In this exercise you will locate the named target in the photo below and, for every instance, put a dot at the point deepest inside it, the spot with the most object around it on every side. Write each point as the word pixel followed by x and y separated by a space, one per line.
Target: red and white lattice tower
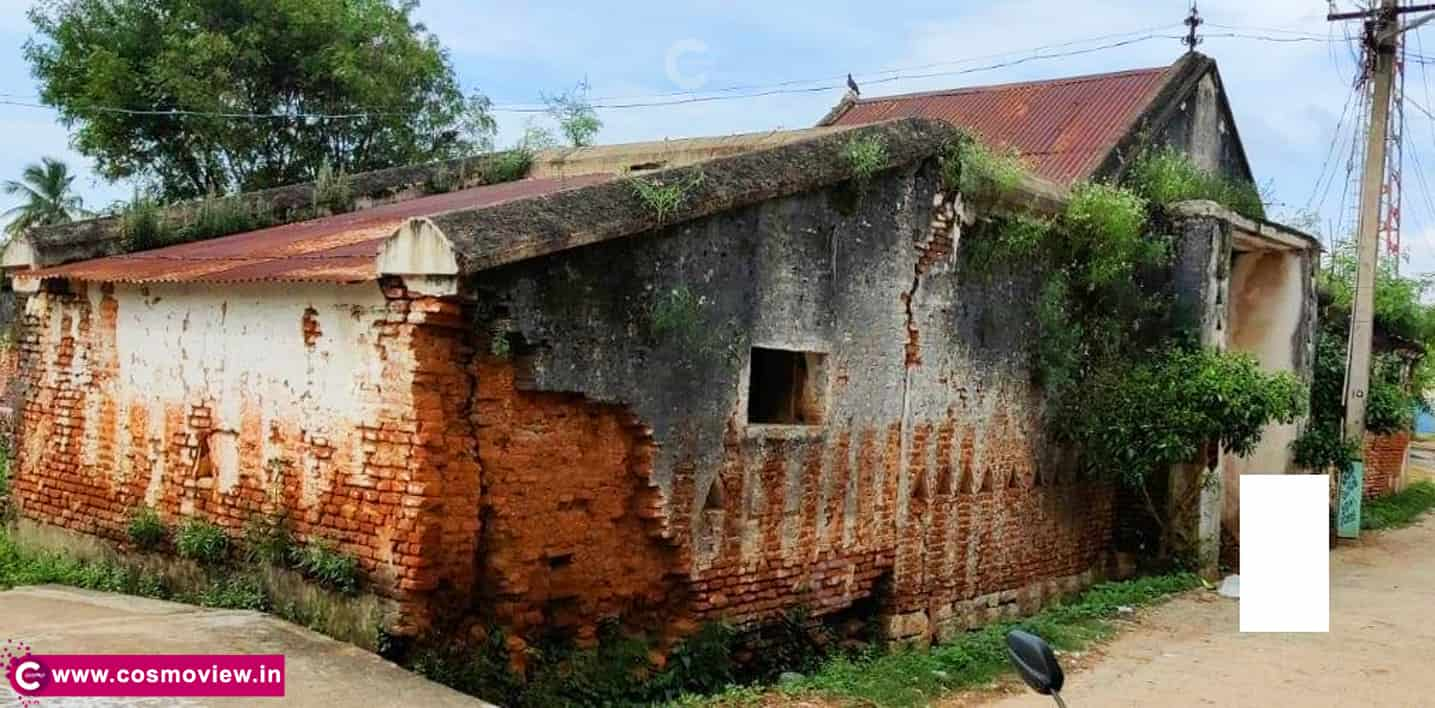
pixel 1388 231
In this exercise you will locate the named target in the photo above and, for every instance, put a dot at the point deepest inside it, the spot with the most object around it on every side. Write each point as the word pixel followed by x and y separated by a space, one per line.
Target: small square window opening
pixel 787 387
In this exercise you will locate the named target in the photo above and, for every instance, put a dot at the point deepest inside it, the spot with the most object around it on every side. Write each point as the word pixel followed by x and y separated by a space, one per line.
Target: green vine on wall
pixel 1131 391
pixel 1400 371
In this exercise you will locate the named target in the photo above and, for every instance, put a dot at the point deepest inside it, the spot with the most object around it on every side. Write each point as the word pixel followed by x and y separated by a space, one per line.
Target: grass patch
pixel 664 198
pixel 202 542
pixel 972 167
pixel 1166 176
pixel 866 156
pixel 147 532
pixel 916 677
pixel 1400 509
pixel 321 563
pixel 143 225
pixel 253 586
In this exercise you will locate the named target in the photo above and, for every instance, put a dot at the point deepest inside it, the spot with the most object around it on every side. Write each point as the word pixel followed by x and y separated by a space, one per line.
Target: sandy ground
pixel 1380 650
pixel 319 671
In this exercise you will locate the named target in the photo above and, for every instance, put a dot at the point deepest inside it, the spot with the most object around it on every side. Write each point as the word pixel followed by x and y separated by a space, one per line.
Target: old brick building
pixel 545 403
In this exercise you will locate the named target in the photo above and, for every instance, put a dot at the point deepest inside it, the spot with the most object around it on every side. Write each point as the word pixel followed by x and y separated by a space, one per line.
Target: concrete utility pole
pixel 1380 35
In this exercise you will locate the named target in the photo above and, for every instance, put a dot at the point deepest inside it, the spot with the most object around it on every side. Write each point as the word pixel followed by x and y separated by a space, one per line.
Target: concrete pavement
pixel 320 671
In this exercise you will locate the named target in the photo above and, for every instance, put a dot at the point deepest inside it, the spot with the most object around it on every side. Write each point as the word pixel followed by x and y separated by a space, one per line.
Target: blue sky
pixel 1287 96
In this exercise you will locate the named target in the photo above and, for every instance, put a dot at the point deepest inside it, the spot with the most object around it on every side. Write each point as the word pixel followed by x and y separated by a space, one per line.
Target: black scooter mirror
pixel 1036 662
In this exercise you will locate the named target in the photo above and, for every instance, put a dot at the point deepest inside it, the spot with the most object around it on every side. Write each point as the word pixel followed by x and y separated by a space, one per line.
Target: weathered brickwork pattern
pixel 927 496
pixel 393 482
pixel 1384 462
pixel 573 531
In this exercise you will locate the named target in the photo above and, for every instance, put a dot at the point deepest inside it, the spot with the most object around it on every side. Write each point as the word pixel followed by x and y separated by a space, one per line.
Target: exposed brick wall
pixel 390 477
pixel 928 495
pixel 1384 462
pixel 966 540
pixel 573 532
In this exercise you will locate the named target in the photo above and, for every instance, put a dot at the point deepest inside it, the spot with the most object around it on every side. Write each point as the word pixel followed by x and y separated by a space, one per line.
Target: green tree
pixel 385 86
pixel 46 187
pixel 575 115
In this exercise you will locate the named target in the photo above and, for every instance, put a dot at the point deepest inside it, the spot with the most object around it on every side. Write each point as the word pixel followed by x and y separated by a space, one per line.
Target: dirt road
pixel 1380 650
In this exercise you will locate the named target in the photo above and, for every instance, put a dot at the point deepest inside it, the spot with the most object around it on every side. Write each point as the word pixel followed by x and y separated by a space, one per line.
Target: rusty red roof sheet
pixel 1064 128
pixel 339 248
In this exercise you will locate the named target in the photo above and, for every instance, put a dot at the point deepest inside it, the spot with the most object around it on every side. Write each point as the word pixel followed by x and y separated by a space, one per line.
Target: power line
pixel 777 89
pixel 868 76
pixel 1331 151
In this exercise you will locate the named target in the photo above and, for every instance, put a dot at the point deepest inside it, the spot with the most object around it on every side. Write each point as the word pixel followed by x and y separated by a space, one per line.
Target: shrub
pixel 866 156
pixel 234 592
pixel 972 167
pixel 1322 446
pixel 143 225
pixel 1162 410
pixel 1165 176
pixel 507 166
pixel 201 541
pixel 333 190
pixel 220 216
pixel 146 530
pixel 1105 230
pixel 267 539
pixel 1389 407
pixel 321 562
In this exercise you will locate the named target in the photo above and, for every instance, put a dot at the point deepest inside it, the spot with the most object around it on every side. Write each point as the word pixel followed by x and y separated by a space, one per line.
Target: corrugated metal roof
pixel 339 248
pixel 1064 128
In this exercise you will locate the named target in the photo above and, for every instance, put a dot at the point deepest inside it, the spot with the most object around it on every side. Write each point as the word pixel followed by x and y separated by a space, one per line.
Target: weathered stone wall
pixel 1201 128
pixel 1385 463
pixel 927 490
pixel 344 407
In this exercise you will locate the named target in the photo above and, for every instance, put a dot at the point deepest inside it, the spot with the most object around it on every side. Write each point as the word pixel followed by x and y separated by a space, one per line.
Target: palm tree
pixel 46 188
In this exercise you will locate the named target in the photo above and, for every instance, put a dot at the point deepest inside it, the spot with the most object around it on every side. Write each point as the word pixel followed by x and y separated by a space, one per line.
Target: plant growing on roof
pixel 866 155
pixel 143 225
pixel 575 115
pixel 971 167
pixel 1164 175
pixel 333 190
pixel 663 196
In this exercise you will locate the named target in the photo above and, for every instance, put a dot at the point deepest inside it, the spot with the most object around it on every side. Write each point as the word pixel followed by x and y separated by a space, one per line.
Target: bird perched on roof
pixel 853 85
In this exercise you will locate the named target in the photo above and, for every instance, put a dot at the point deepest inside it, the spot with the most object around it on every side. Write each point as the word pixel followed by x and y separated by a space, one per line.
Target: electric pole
pixel 1380 31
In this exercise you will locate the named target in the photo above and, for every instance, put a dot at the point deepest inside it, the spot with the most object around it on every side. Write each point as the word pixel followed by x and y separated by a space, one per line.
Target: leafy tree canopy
pixel 286 57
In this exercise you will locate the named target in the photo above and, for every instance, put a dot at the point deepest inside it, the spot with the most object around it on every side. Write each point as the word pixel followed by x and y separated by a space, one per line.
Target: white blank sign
pixel 1285 554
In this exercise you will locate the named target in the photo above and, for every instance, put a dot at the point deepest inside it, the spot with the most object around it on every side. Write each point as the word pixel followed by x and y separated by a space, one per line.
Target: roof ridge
pixel 1083 78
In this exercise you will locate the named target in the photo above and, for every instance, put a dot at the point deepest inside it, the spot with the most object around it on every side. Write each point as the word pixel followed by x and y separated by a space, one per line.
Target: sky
pixel 1288 96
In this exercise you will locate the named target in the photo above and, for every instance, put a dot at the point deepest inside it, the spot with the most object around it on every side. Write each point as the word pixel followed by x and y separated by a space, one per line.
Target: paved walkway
pixel 321 671
pixel 1380 650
